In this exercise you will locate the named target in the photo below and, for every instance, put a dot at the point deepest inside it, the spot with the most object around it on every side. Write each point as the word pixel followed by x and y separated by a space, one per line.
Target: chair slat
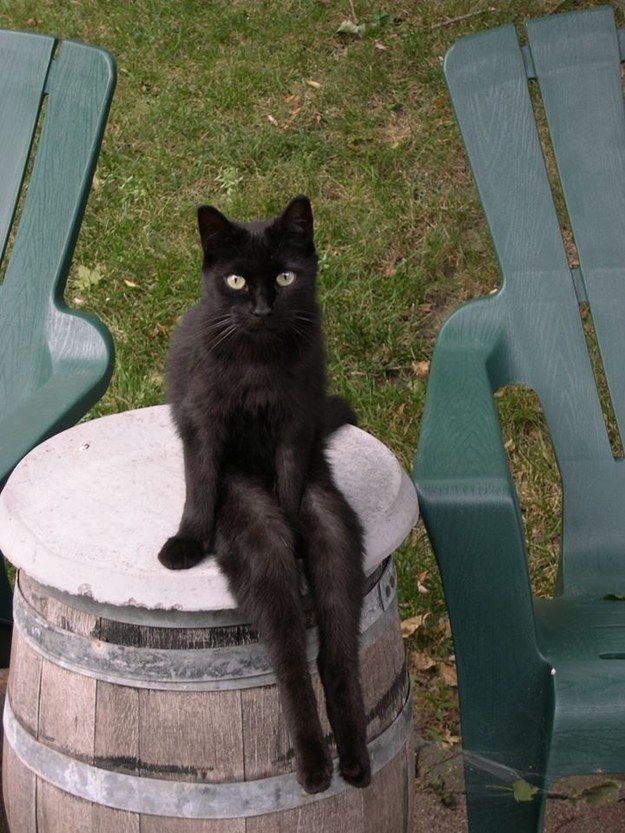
pixel 577 62
pixel 24 61
pixel 80 87
pixel 488 85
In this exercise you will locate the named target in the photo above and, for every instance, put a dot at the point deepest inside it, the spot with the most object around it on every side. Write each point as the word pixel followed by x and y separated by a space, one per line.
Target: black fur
pixel 247 389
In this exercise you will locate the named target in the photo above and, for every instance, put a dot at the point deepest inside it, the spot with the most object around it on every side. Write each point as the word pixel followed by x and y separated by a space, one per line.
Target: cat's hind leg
pixel 333 549
pixel 255 549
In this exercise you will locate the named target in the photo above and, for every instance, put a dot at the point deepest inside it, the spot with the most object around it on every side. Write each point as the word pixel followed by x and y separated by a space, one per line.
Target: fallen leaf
pixel 523 790
pixel 421 662
pixel 449 674
pixel 604 793
pixel 421 369
pixel 87 278
pixel 379 46
pixel 348 27
pixel 444 626
pixel 409 626
pixel 449 739
pixel 131 284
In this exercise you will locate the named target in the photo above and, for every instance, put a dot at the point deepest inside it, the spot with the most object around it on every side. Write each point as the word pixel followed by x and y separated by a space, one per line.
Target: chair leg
pixel 493 808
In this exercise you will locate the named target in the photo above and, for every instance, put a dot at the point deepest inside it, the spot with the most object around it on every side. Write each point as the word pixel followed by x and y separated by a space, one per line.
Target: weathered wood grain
pixel 266 740
pixel 117 727
pixel 4 679
pixel 381 668
pixel 156 824
pixel 71 619
pixel 386 800
pixel 191 736
pixel 67 711
pixel 33 593
pixel 24 682
pixel 338 814
pixel 56 612
pixel 60 812
pixel 19 789
pixel 108 820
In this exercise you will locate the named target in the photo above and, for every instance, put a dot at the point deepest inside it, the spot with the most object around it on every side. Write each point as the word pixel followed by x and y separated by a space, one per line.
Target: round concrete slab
pixel 87 511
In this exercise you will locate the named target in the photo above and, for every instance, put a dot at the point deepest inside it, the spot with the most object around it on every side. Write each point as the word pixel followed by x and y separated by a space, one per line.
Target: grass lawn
pixel 244 104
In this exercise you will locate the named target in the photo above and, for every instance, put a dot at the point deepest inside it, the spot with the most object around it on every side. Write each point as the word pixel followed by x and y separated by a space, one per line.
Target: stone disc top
pixel 87 511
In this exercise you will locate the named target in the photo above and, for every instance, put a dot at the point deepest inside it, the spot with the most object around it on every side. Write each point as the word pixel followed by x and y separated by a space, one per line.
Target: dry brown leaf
pixel 444 626
pixel 449 739
pixel 421 662
pixel 449 674
pixel 409 626
pixel 421 369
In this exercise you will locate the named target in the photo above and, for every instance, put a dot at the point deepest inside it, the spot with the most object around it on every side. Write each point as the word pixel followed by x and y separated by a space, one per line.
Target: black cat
pixel 247 389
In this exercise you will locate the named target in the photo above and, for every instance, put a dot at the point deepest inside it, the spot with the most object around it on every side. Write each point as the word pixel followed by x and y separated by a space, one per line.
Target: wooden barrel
pixel 120 720
pixel 139 700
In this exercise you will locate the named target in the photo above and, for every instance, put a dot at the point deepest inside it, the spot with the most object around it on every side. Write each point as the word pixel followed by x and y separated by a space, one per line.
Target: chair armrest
pixel 470 509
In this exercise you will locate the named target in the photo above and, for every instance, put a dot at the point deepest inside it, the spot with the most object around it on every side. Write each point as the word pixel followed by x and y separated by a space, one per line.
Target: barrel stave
pixel 117 728
pixel 67 711
pixel 191 736
pixel 343 812
pixel 19 791
pixel 24 682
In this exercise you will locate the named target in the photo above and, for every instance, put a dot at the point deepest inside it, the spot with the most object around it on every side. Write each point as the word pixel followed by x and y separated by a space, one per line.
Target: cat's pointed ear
pixel 297 218
pixel 216 231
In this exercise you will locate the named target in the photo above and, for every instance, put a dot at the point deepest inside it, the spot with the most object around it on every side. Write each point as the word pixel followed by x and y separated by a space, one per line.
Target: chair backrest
pixel 58 93
pixel 575 58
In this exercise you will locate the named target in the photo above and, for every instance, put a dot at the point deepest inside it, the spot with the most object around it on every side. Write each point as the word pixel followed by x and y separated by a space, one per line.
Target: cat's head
pixel 259 276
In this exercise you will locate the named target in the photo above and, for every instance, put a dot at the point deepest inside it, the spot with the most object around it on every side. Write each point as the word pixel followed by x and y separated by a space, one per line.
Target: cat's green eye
pixel 285 278
pixel 236 281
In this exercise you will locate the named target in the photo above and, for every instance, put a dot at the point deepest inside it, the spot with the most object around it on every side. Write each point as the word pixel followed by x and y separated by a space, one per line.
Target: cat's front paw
pixel 180 553
pixel 356 769
pixel 314 768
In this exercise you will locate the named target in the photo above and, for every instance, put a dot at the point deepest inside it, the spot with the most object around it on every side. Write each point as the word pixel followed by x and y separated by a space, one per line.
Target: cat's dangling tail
pixel 338 412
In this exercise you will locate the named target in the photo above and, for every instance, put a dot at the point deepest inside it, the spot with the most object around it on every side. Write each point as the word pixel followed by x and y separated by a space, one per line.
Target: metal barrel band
pixel 200 669
pixel 143 616
pixel 183 799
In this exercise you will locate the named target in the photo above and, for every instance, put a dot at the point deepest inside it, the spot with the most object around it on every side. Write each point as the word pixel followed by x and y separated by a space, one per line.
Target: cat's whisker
pixel 304 335
pixel 229 332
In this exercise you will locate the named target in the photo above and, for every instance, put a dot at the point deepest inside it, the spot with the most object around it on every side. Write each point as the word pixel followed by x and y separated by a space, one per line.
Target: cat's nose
pixel 262 309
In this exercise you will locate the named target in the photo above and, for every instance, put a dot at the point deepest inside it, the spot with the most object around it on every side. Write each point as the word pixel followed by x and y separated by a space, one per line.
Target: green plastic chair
pixel 55 363
pixel 541 681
